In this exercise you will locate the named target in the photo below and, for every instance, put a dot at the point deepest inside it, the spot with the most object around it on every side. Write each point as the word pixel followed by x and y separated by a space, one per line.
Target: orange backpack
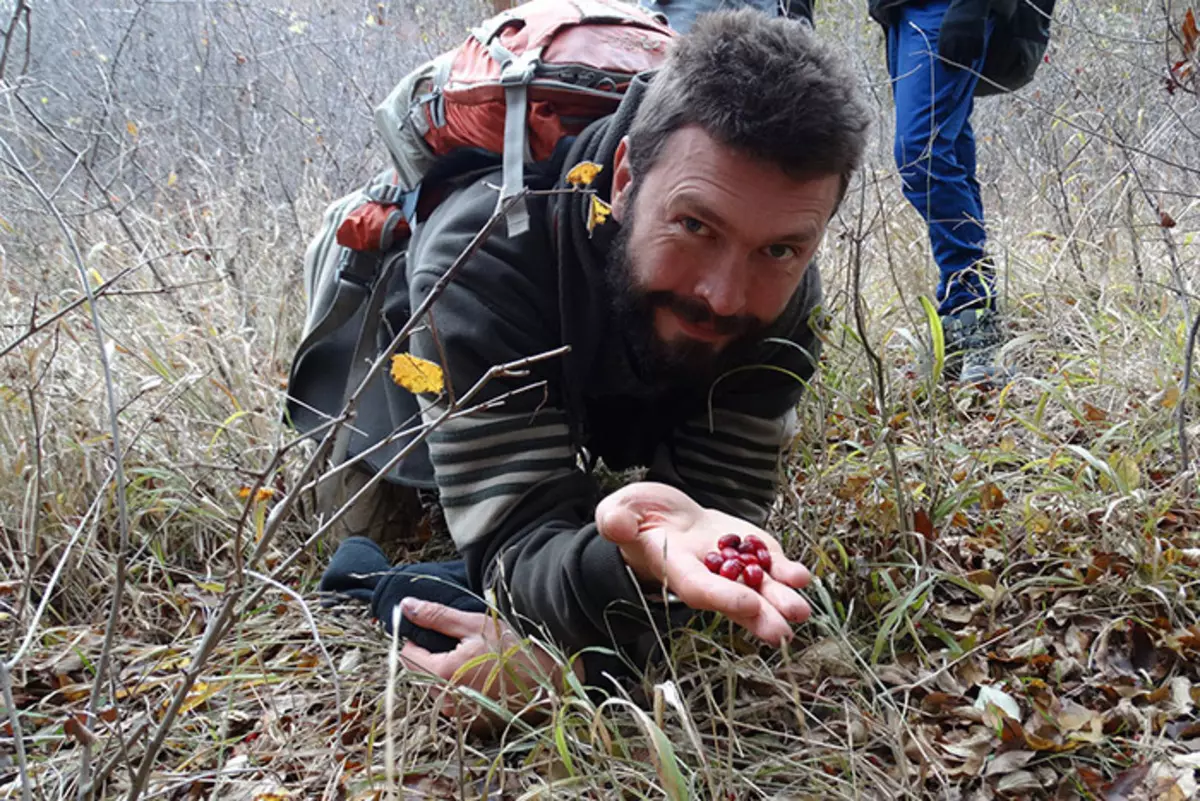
pixel 521 81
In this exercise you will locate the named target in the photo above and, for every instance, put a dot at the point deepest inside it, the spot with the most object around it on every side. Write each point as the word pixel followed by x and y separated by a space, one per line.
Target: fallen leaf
pixel 1021 781
pixel 923 525
pixel 990 695
pixel 131 128
pixel 1008 762
pixel 1166 220
pixel 1168 398
pixel 1035 646
pixel 76 729
pixel 197 696
pixel 991 497
pixel 1142 652
pixel 1181 697
pixel 1125 783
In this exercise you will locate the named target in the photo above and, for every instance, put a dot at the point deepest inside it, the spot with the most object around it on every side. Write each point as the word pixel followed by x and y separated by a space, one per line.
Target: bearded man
pixel 685 286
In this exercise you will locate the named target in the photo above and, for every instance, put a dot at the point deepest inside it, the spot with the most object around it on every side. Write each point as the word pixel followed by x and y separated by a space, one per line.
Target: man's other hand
pixel 510 674
pixel 664 534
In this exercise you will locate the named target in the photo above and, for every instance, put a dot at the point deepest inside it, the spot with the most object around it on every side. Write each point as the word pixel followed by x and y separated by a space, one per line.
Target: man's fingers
pixel 759 614
pixel 700 589
pixel 443 619
pixel 417 658
pixel 789 603
pixel 616 520
pixel 766 623
pixel 789 572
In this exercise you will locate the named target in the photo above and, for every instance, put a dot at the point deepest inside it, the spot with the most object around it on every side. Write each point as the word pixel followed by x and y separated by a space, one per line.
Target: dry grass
pixel 1035 548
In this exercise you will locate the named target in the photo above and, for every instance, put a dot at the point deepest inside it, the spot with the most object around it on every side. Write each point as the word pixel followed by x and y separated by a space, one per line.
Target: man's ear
pixel 622 181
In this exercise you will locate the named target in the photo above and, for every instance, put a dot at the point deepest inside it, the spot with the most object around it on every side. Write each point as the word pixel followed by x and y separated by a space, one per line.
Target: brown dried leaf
pixel 1020 782
pixel 1008 762
pixel 923 524
pixel 1126 782
pixel 992 497
pixel 1142 653
pixel 75 727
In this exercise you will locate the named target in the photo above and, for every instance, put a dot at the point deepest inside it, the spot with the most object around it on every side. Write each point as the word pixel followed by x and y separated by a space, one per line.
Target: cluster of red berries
pixel 734 557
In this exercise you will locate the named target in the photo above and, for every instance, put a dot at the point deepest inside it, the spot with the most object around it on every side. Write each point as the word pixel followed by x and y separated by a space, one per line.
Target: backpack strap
pixel 364 345
pixel 516 73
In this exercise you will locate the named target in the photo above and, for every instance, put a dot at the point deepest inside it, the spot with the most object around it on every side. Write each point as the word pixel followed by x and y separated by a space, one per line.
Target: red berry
pixel 729 553
pixel 713 561
pixel 747 547
pixel 748 558
pixel 729 541
pixel 764 558
pixel 753 576
pixel 755 543
pixel 731 569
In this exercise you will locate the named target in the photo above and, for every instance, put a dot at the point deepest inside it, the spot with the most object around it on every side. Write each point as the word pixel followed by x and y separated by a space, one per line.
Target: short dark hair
pixel 763 85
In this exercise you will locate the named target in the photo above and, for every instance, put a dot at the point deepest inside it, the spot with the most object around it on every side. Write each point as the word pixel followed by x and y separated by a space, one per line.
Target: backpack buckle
pixel 359 267
pixel 519 70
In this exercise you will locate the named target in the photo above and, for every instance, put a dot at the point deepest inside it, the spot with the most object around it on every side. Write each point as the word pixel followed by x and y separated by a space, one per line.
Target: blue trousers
pixel 935 152
pixel 682 13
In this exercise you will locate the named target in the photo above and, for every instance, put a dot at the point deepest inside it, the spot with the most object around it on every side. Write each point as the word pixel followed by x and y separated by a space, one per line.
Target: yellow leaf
pixel 1168 398
pixel 172 179
pixel 97 279
pixel 277 794
pixel 132 128
pixel 197 696
pixel 415 374
pixel 262 494
pixel 598 213
pixel 583 173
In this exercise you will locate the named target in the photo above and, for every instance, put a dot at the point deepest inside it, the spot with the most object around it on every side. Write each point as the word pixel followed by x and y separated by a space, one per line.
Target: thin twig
pixel 10 33
pixel 14 721
pixel 876 363
pixel 35 326
pixel 1185 458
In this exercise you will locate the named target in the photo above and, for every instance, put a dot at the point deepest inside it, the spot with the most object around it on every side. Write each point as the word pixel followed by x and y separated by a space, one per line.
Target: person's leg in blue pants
pixel 935 152
pixel 682 14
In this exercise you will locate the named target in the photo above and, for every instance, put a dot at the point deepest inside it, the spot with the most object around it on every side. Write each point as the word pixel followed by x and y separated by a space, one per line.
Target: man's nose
pixel 722 285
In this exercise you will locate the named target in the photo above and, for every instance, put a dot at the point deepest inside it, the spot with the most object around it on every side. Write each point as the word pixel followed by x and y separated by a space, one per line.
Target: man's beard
pixel 684 363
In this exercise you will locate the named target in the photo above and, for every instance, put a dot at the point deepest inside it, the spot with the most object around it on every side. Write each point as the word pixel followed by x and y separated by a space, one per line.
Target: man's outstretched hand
pixel 509 670
pixel 663 533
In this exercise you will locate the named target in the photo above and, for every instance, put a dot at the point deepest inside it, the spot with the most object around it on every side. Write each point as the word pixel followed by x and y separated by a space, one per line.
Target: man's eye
pixel 693 226
pixel 781 252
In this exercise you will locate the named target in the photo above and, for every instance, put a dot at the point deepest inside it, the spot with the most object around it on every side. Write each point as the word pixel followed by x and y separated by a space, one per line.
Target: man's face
pixel 713 244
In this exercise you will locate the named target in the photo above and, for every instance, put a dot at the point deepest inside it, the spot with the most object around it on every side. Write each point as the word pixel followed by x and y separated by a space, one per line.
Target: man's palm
pixel 664 535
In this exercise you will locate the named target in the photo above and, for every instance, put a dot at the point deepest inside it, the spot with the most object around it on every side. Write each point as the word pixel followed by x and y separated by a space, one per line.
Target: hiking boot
pixel 973 338
pixel 390 515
